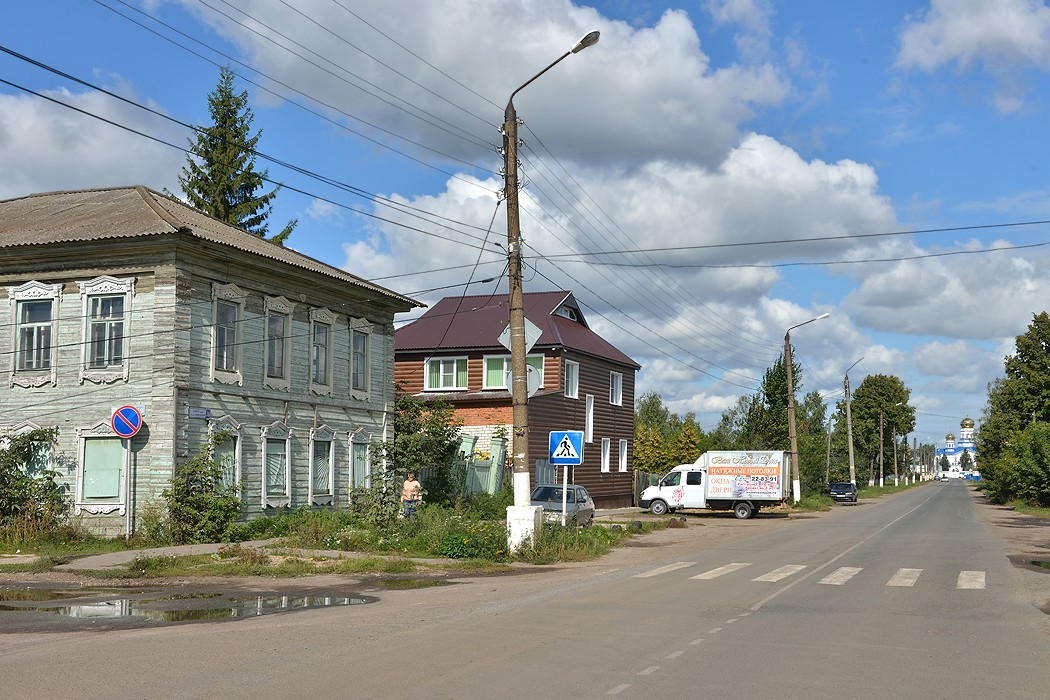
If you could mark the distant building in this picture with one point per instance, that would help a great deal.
(954, 449)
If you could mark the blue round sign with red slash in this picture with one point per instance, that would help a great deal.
(126, 421)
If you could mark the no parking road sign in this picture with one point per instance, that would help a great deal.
(126, 421)
(566, 447)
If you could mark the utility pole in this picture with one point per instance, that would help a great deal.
(796, 484)
(896, 480)
(882, 466)
(827, 460)
(849, 426)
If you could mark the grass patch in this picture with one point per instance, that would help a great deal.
(38, 565)
(1036, 511)
(814, 503)
(555, 543)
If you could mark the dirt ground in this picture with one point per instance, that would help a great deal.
(1024, 539)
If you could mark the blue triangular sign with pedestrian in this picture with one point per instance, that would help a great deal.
(566, 447)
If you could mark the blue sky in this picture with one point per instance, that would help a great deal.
(747, 134)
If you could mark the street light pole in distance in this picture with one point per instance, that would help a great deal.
(796, 483)
(522, 518)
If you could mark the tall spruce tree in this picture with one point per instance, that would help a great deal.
(220, 177)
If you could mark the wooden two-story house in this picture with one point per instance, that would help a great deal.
(126, 297)
(579, 381)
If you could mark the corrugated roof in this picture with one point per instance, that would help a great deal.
(132, 212)
(476, 322)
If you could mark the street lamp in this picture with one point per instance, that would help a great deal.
(796, 484)
(522, 518)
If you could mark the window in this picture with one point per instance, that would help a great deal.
(107, 309)
(321, 465)
(694, 478)
(36, 312)
(606, 450)
(226, 319)
(497, 371)
(572, 379)
(446, 373)
(616, 388)
(359, 467)
(227, 345)
(588, 428)
(276, 491)
(227, 453)
(278, 342)
(623, 455)
(34, 335)
(360, 358)
(100, 471)
(320, 339)
(39, 458)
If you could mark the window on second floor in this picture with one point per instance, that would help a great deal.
(497, 371)
(319, 352)
(227, 318)
(360, 358)
(35, 319)
(278, 343)
(616, 388)
(107, 311)
(572, 379)
(446, 373)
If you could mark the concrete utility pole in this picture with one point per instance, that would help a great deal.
(522, 518)
(896, 481)
(882, 466)
(849, 425)
(796, 483)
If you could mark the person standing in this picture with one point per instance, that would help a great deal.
(411, 495)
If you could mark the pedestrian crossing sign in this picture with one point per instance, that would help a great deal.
(566, 448)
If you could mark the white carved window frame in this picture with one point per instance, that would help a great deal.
(229, 294)
(363, 327)
(278, 305)
(102, 429)
(106, 286)
(359, 437)
(229, 425)
(327, 318)
(34, 291)
(321, 434)
(277, 431)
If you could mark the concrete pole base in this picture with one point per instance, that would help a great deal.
(522, 524)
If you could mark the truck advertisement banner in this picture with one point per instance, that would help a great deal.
(744, 481)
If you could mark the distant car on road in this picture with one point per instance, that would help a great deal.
(843, 491)
(579, 508)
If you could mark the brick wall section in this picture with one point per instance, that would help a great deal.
(485, 415)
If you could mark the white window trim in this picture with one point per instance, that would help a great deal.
(426, 373)
(105, 286)
(606, 455)
(616, 388)
(359, 437)
(588, 425)
(231, 294)
(322, 433)
(229, 425)
(102, 429)
(34, 291)
(572, 391)
(277, 431)
(622, 456)
(283, 307)
(361, 325)
(327, 318)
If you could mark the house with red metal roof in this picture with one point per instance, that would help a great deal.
(578, 381)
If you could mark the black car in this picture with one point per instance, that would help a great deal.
(843, 491)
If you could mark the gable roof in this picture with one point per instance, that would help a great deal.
(135, 212)
(476, 322)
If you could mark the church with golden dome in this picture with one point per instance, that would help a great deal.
(955, 449)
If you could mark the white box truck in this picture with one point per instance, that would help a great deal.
(741, 481)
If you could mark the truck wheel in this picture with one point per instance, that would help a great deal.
(658, 508)
(742, 510)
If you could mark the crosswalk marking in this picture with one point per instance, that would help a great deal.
(904, 577)
(781, 573)
(721, 571)
(971, 580)
(841, 575)
(665, 569)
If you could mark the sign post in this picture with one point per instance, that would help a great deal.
(566, 450)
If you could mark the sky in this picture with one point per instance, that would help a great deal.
(710, 174)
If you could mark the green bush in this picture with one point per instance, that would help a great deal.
(30, 503)
(482, 540)
(200, 506)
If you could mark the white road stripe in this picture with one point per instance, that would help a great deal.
(666, 569)
(720, 571)
(648, 671)
(904, 577)
(971, 580)
(781, 573)
(674, 654)
(619, 689)
(696, 641)
(841, 575)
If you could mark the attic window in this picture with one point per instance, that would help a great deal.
(569, 313)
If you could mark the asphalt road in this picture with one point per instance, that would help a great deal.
(905, 597)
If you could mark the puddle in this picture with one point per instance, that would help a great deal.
(183, 607)
(1038, 562)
